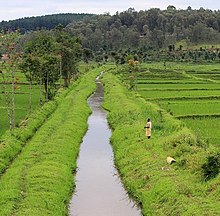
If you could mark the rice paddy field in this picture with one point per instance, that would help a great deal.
(187, 91)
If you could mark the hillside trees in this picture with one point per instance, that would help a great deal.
(133, 29)
(147, 31)
(150, 28)
(42, 22)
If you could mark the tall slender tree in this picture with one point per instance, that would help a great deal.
(9, 62)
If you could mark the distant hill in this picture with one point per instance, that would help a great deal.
(42, 22)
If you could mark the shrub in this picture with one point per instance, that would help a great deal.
(212, 167)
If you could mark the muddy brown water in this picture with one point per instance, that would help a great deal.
(99, 191)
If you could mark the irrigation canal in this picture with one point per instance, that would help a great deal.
(99, 191)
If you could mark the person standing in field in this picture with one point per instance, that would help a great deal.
(148, 128)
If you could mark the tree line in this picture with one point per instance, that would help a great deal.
(153, 28)
(151, 35)
(42, 22)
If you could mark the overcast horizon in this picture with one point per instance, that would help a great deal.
(12, 9)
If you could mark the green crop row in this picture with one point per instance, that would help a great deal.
(177, 89)
(193, 107)
(171, 94)
(40, 181)
(163, 76)
(182, 86)
(208, 128)
(188, 67)
(171, 81)
(159, 188)
(204, 72)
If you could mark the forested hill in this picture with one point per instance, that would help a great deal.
(141, 30)
(42, 22)
(154, 28)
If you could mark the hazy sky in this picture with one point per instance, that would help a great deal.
(13, 9)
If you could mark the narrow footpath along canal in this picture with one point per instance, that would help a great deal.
(99, 191)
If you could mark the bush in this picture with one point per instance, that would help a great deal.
(212, 167)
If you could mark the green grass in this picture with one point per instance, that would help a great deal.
(21, 100)
(179, 89)
(207, 128)
(209, 76)
(194, 99)
(180, 86)
(40, 180)
(178, 94)
(159, 188)
(193, 107)
(12, 141)
(19, 76)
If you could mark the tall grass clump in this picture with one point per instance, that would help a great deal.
(40, 180)
(158, 187)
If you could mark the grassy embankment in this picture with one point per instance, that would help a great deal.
(40, 180)
(160, 189)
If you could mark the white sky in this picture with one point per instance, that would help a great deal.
(14, 9)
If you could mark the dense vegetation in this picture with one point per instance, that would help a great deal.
(160, 189)
(42, 22)
(153, 28)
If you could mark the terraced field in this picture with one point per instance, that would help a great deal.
(180, 94)
(188, 92)
(186, 108)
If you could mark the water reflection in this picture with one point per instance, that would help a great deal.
(99, 191)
